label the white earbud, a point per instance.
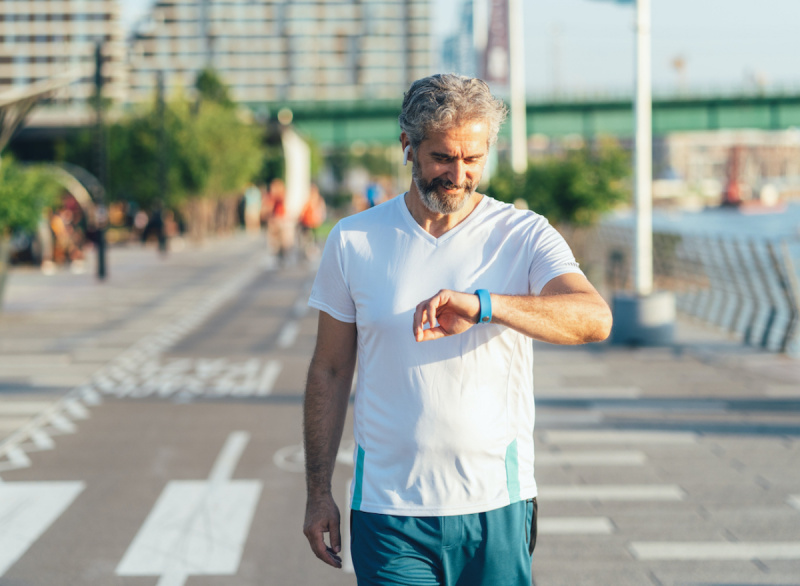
(406, 151)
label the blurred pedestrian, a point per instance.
(311, 219)
(435, 295)
(280, 227)
(252, 209)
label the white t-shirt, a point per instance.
(442, 427)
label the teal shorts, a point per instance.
(481, 549)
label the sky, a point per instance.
(579, 47)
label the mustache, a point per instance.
(445, 183)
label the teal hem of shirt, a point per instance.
(359, 480)
(512, 473)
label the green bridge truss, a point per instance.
(343, 123)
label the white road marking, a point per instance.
(301, 306)
(794, 500)
(76, 409)
(292, 458)
(41, 440)
(27, 510)
(288, 334)
(792, 391)
(23, 407)
(595, 437)
(565, 392)
(684, 551)
(16, 459)
(229, 457)
(268, 377)
(12, 423)
(592, 458)
(581, 418)
(197, 527)
(575, 526)
(61, 423)
(605, 492)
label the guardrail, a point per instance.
(749, 287)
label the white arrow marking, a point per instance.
(197, 527)
(288, 334)
(27, 510)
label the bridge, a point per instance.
(376, 122)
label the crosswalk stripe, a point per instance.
(61, 423)
(594, 437)
(604, 492)
(698, 550)
(23, 407)
(592, 458)
(575, 526)
(8, 424)
(565, 392)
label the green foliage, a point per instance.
(576, 188)
(208, 149)
(210, 88)
(24, 193)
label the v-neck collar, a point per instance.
(416, 228)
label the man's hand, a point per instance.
(322, 516)
(447, 313)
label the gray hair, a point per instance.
(445, 100)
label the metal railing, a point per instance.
(748, 287)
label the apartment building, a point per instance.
(40, 39)
(285, 50)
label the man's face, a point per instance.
(448, 166)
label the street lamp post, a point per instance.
(644, 317)
(101, 214)
(516, 70)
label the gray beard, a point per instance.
(437, 202)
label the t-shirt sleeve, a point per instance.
(330, 292)
(551, 257)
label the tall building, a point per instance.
(40, 39)
(285, 50)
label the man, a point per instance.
(437, 293)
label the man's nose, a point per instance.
(458, 172)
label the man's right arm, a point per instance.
(330, 377)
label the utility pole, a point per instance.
(516, 67)
(101, 214)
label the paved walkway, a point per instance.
(666, 466)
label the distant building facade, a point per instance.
(40, 39)
(764, 164)
(459, 51)
(285, 50)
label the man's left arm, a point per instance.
(569, 310)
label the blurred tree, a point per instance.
(576, 188)
(210, 88)
(212, 150)
(25, 192)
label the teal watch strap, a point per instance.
(486, 306)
